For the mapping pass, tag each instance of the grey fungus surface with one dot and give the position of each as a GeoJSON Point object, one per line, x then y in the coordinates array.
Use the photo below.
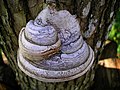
{"type": "Point", "coordinates": [52, 49]}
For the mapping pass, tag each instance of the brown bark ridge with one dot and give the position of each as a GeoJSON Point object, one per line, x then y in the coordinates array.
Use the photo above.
{"type": "Point", "coordinates": [95, 18]}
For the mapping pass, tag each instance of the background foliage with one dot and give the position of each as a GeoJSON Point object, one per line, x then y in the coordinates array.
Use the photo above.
{"type": "Point", "coordinates": [115, 32]}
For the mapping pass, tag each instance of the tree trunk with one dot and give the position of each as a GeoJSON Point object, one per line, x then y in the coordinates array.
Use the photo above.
{"type": "Point", "coordinates": [95, 17]}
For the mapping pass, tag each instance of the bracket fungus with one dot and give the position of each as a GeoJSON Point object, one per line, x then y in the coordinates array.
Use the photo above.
{"type": "Point", "coordinates": [52, 49]}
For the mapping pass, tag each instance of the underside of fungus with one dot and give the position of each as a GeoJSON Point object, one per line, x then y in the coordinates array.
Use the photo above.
{"type": "Point", "coordinates": [51, 47]}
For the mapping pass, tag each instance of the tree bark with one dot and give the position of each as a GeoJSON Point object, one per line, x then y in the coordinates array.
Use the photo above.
{"type": "Point", "coordinates": [95, 17]}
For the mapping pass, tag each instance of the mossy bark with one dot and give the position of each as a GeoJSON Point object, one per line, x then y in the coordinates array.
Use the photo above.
{"type": "Point", "coordinates": [95, 17]}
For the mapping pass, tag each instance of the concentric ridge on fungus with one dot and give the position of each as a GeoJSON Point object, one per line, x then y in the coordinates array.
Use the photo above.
{"type": "Point", "coordinates": [51, 47]}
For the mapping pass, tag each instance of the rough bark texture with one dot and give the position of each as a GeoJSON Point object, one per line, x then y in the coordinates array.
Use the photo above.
{"type": "Point", "coordinates": [95, 17]}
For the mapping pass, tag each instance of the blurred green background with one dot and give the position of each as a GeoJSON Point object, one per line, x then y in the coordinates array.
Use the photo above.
{"type": "Point", "coordinates": [114, 34]}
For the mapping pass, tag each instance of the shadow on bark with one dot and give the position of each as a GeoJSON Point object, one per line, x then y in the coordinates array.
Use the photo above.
{"type": "Point", "coordinates": [7, 76]}
{"type": "Point", "coordinates": [107, 75]}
